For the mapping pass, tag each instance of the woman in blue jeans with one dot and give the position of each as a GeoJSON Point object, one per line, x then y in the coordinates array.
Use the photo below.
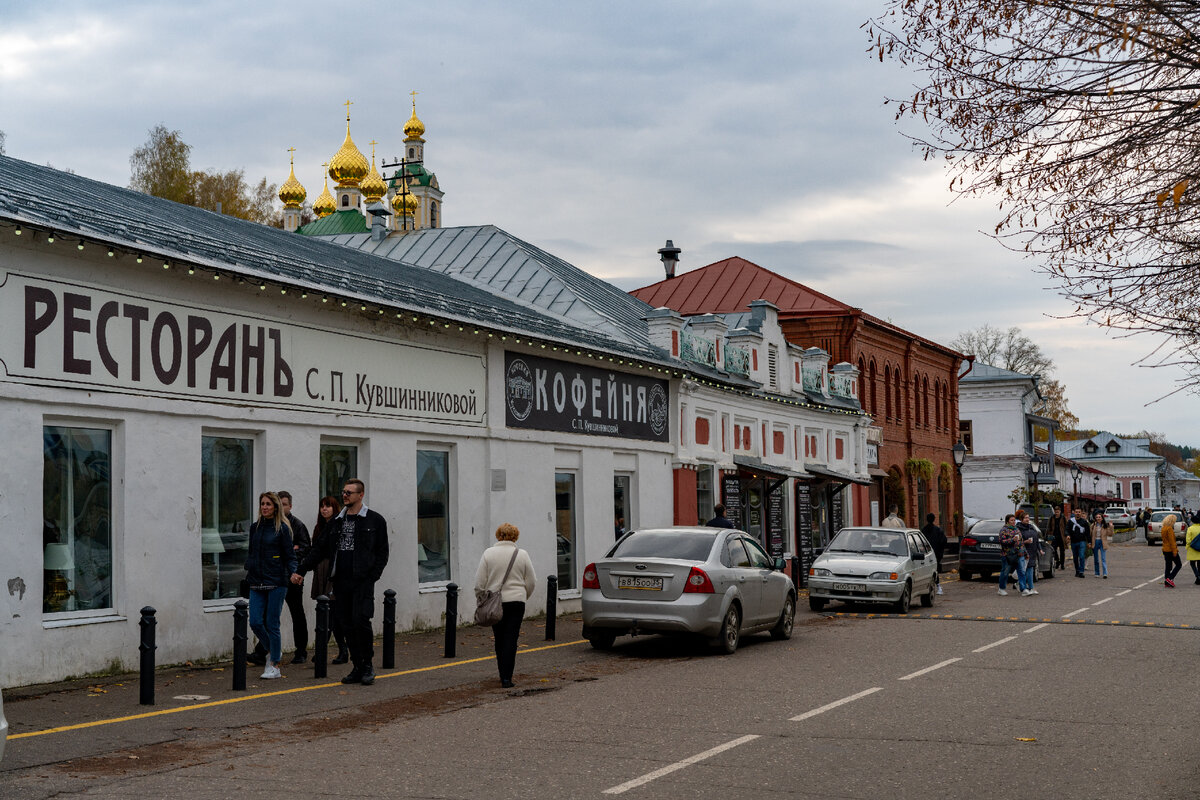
{"type": "Point", "coordinates": [1102, 532]}
{"type": "Point", "coordinates": [269, 564]}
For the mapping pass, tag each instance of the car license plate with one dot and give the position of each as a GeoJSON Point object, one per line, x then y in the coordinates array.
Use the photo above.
{"type": "Point", "coordinates": [849, 587]}
{"type": "Point", "coordinates": [638, 582]}
{"type": "Point", "coordinates": [988, 546]}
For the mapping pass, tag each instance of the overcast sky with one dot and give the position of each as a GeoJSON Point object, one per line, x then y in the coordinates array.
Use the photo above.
{"type": "Point", "coordinates": [593, 130]}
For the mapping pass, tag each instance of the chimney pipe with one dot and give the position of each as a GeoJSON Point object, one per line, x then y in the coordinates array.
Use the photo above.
{"type": "Point", "coordinates": [670, 258]}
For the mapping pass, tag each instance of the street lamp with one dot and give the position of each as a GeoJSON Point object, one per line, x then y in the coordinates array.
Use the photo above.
{"type": "Point", "coordinates": [1096, 485]}
{"type": "Point", "coordinates": [959, 451]}
{"type": "Point", "coordinates": [1035, 466]}
{"type": "Point", "coordinates": [1076, 473]}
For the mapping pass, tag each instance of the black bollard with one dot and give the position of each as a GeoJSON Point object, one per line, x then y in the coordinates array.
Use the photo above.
{"type": "Point", "coordinates": [147, 648]}
{"type": "Point", "coordinates": [389, 629]}
{"type": "Point", "coordinates": [551, 606]}
{"type": "Point", "coordinates": [451, 619]}
{"type": "Point", "coordinates": [321, 651]}
{"type": "Point", "coordinates": [241, 614]}
{"type": "Point", "coordinates": [798, 577]}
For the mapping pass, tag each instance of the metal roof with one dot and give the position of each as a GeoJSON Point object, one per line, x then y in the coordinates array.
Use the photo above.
{"type": "Point", "coordinates": [1128, 448]}
{"type": "Point", "coordinates": [986, 372]}
{"type": "Point", "coordinates": [70, 204]}
{"type": "Point", "coordinates": [348, 221]}
{"type": "Point", "coordinates": [731, 285]}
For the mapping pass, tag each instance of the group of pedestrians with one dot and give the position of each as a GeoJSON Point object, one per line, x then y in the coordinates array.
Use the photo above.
{"type": "Point", "coordinates": [347, 553]}
{"type": "Point", "coordinates": [1024, 549]}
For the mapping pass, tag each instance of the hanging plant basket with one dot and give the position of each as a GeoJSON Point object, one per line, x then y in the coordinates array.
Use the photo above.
{"type": "Point", "coordinates": [921, 468]}
{"type": "Point", "coordinates": [945, 477]}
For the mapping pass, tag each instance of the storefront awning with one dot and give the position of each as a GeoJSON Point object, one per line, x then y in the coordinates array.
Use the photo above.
{"type": "Point", "coordinates": [771, 470]}
{"type": "Point", "coordinates": [837, 476]}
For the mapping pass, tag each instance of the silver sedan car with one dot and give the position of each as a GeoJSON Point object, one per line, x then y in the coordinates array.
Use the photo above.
{"type": "Point", "coordinates": [874, 565]}
{"type": "Point", "coordinates": [714, 582]}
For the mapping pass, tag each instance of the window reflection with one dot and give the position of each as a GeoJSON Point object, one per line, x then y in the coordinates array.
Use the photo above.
{"type": "Point", "coordinates": [564, 523]}
{"type": "Point", "coordinates": [339, 463]}
{"type": "Point", "coordinates": [433, 519]}
{"type": "Point", "coordinates": [226, 502]}
{"type": "Point", "coordinates": [77, 519]}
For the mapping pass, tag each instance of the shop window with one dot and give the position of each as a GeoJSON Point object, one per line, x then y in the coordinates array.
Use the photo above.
{"type": "Point", "coordinates": [622, 503]}
{"type": "Point", "coordinates": [433, 516]}
{"type": "Point", "coordinates": [705, 492]}
{"type": "Point", "coordinates": [77, 519]}
{"type": "Point", "coordinates": [339, 463]}
{"type": "Point", "coordinates": [565, 524]}
{"type": "Point", "coordinates": [227, 509]}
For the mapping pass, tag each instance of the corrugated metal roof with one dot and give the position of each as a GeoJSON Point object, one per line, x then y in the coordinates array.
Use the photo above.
{"type": "Point", "coordinates": [986, 372]}
{"type": "Point", "coordinates": [348, 221]}
{"type": "Point", "coordinates": [71, 204]}
{"type": "Point", "coordinates": [731, 285]}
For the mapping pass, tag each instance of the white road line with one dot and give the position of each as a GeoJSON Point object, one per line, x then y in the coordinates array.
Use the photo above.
{"type": "Point", "coordinates": [1101, 602]}
{"type": "Point", "coordinates": [1076, 611]}
{"type": "Point", "coordinates": [1036, 627]}
{"type": "Point", "coordinates": [921, 672]}
{"type": "Point", "coordinates": [678, 765]}
{"type": "Point", "coordinates": [835, 704]}
{"type": "Point", "coordinates": [1126, 591]}
{"type": "Point", "coordinates": [988, 646]}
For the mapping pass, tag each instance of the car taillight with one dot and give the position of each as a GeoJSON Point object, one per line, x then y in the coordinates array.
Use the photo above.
{"type": "Point", "coordinates": [698, 582]}
{"type": "Point", "coordinates": [968, 542]}
{"type": "Point", "coordinates": [590, 579]}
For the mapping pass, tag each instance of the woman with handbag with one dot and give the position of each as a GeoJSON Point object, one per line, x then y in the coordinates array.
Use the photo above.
{"type": "Point", "coordinates": [505, 573]}
{"type": "Point", "coordinates": [1170, 550]}
{"type": "Point", "coordinates": [270, 562]}
{"type": "Point", "coordinates": [1102, 533]}
{"type": "Point", "coordinates": [327, 512]}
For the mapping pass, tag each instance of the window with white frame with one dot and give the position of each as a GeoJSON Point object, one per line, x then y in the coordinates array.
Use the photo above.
{"type": "Point", "coordinates": [433, 516]}
{"type": "Point", "coordinates": [227, 509]}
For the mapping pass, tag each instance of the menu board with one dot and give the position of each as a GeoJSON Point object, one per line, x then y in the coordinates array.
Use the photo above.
{"type": "Point", "coordinates": [804, 527]}
{"type": "Point", "coordinates": [835, 513]}
{"type": "Point", "coordinates": [731, 496]}
{"type": "Point", "coordinates": [775, 525]}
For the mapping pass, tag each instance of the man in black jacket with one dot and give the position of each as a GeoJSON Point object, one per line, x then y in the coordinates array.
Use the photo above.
{"type": "Point", "coordinates": [937, 540]}
{"type": "Point", "coordinates": [1058, 537]}
{"type": "Point", "coordinates": [357, 550]}
{"type": "Point", "coordinates": [1079, 531]}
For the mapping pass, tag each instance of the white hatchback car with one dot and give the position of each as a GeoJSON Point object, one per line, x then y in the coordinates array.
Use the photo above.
{"type": "Point", "coordinates": [874, 565]}
{"type": "Point", "coordinates": [3, 727]}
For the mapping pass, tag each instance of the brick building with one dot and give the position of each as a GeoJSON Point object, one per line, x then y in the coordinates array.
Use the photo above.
{"type": "Point", "coordinates": [909, 384]}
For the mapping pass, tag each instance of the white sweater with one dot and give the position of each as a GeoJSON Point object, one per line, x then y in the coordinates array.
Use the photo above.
{"type": "Point", "coordinates": [521, 581]}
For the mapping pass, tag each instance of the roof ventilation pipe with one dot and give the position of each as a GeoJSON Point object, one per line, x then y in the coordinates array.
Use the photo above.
{"type": "Point", "coordinates": [670, 258]}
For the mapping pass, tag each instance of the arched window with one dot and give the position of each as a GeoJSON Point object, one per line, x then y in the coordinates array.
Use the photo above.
{"type": "Point", "coordinates": [899, 379]}
{"type": "Point", "coordinates": [925, 400]}
{"type": "Point", "coordinates": [345, 201]}
{"type": "Point", "coordinates": [412, 151]}
{"type": "Point", "coordinates": [887, 390]}
{"type": "Point", "coordinates": [937, 404]}
{"type": "Point", "coordinates": [862, 383]}
{"type": "Point", "coordinates": [916, 387]}
{"type": "Point", "coordinates": [871, 384]}
{"type": "Point", "coordinates": [433, 215]}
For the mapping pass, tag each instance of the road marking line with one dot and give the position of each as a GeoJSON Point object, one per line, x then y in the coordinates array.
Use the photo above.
{"type": "Point", "coordinates": [1101, 602]}
{"type": "Point", "coordinates": [678, 765]}
{"type": "Point", "coordinates": [835, 704]}
{"type": "Point", "coordinates": [921, 672]}
{"type": "Point", "coordinates": [244, 698]}
{"type": "Point", "coordinates": [1076, 611]}
{"type": "Point", "coordinates": [990, 646]}
{"type": "Point", "coordinates": [1140, 585]}
{"type": "Point", "coordinates": [1036, 627]}
{"type": "Point", "coordinates": [1126, 591]}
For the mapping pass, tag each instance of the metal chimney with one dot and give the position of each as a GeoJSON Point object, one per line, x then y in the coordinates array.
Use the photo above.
{"type": "Point", "coordinates": [670, 258]}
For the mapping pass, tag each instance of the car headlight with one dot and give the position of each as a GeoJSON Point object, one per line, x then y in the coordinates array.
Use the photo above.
{"type": "Point", "coordinates": [818, 572]}
{"type": "Point", "coordinates": [883, 576]}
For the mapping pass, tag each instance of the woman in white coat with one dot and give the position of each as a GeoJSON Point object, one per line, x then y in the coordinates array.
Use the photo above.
{"type": "Point", "coordinates": [516, 589]}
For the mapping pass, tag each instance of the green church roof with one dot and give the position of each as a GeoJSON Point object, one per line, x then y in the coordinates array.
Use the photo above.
{"type": "Point", "coordinates": [349, 221]}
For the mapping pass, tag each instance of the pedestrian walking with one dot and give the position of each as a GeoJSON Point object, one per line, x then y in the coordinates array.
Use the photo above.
{"type": "Point", "coordinates": [893, 520]}
{"type": "Point", "coordinates": [1193, 545]}
{"type": "Point", "coordinates": [295, 594]}
{"type": "Point", "coordinates": [719, 520]}
{"type": "Point", "coordinates": [1058, 537]}
{"type": "Point", "coordinates": [1102, 533]}
{"type": "Point", "coordinates": [1014, 554]}
{"type": "Point", "coordinates": [358, 550]}
{"type": "Point", "coordinates": [937, 540]}
{"type": "Point", "coordinates": [1139, 522]}
{"type": "Point", "coordinates": [1079, 532]}
{"type": "Point", "coordinates": [269, 561]}
{"type": "Point", "coordinates": [506, 568]}
{"type": "Point", "coordinates": [1170, 549]}
{"type": "Point", "coordinates": [1033, 551]}
{"type": "Point", "coordinates": [327, 512]}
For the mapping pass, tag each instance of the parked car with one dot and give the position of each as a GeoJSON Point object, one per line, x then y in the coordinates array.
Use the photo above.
{"type": "Point", "coordinates": [874, 565]}
{"type": "Point", "coordinates": [1154, 529]}
{"type": "Point", "coordinates": [981, 554]}
{"type": "Point", "coordinates": [1119, 516]}
{"type": "Point", "coordinates": [714, 582]}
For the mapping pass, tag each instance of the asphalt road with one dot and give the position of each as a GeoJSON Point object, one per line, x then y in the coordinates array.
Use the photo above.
{"type": "Point", "coordinates": [1078, 692]}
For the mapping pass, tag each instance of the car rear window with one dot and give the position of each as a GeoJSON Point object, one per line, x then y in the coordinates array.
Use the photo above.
{"type": "Point", "coordinates": [988, 526]}
{"type": "Point", "coordinates": [688, 546]}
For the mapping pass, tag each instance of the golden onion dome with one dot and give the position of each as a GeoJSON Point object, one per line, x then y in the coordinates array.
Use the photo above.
{"type": "Point", "coordinates": [348, 166]}
{"type": "Point", "coordinates": [292, 192]}
{"type": "Point", "coordinates": [405, 204]}
{"type": "Point", "coordinates": [414, 129]}
{"type": "Point", "coordinates": [324, 205]}
{"type": "Point", "coordinates": [373, 186]}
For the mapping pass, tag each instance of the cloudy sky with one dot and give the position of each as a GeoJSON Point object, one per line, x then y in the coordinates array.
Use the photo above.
{"type": "Point", "coordinates": [594, 130]}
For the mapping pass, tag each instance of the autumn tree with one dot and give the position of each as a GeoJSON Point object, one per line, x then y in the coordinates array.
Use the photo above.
{"type": "Point", "coordinates": [1081, 118]}
{"type": "Point", "coordinates": [1010, 349]}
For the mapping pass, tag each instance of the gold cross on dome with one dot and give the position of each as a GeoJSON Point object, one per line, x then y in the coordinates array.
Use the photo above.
{"type": "Point", "coordinates": [292, 150]}
{"type": "Point", "coordinates": [348, 104]}
{"type": "Point", "coordinates": [373, 143]}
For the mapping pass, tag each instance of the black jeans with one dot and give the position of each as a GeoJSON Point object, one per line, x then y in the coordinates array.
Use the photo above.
{"type": "Point", "coordinates": [353, 610]}
{"type": "Point", "coordinates": [1173, 565]}
{"type": "Point", "coordinates": [295, 605]}
{"type": "Point", "coordinates": [1060, 552]}
{"type": "Point", "coordinates": [506, 632]}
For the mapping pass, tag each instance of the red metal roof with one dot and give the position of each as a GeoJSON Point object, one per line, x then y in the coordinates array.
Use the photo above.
{"type": "Point", "coordinates": [729, 286]}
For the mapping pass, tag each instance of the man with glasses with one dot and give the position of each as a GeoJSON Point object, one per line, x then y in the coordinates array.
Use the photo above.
{"type": "Point", "coordinates": [357, 552]}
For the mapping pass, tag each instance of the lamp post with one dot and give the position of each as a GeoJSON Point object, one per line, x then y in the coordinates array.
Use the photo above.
{"type": "Point", "coordinates": [959, 452]}
{"type": "Point", "coordinates": [1076, 472]}
{"type": "Point", "coordinates": [1095, 486]}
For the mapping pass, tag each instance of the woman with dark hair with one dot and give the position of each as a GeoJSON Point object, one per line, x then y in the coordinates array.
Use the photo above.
{"type": "Point", "coordinates": [327, 512]}
{"type": "Point", "coordinates": [1102, 533]}
{"type": "Point", "coordinates": [270, 562]}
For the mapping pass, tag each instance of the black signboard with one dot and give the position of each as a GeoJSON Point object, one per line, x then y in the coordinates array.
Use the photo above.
{"type": "Point", "coordinates": [550, 395]}
{"type": "Point", "coordinates": [804, 526]}
{"type": "Point", "coordinates": [835, 512]}
{"type": "Point", "coordinates": [775, 531]}
{"type": "Point", "coordinates": [731, 496]}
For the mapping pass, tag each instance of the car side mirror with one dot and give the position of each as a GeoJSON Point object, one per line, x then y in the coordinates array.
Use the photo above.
{"type": "Point", "coordinates": [779, 564]}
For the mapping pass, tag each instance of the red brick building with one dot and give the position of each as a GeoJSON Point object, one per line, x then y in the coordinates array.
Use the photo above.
{"type": "Point", "coordinates": [909, 384]}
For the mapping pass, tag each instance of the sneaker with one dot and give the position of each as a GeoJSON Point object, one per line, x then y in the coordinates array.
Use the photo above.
{"type": "Point", "coordinates": [1033, 591]}
{"type": "Point", "coordinates": [355, 676]}
{"type": "Point", "coordinates": [1105, 577]}
{"type": "Point", "coordinates": [1025, 593]}
{"type": "Point", "coordinates": [1169, 582]}
{"type": "Point", "coordinates": [940, 588]}
{"type": "Point", "coordinates": [271, 672]}
{"type": "Point", "coordinates": [1003, 593]}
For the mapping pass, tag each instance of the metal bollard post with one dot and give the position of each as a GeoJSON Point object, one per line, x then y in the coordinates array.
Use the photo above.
{"type": "Point", "coordinates": [551, 606]}
{"type": "Point", "coordinates": [798, 577]}
{"type": "Point", "coordinates": [451, 619]}
{"type": "Point", "coordinates": [147, 647]}
{"type": "Point", "coordinates": [389, 629]}
{"type": "Point", "coordinates": [321, 651]}
{"type": "Point", "coordinates": [241, 614]}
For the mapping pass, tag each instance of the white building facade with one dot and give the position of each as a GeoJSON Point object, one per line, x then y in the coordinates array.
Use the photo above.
{"type": "Point", "coordinates": [1136, 470]}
